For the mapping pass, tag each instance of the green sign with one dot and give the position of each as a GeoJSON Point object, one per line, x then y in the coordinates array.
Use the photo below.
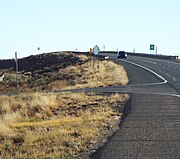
{"type": "Point", "coordinates": [152, 47]}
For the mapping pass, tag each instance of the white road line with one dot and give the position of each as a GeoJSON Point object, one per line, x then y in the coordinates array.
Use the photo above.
{"type": "Point", "coordinates": [147, 69]}
{"type": "Point", "coordinates": [165, 81]}
{"type": "Point", "coordinates": [168, 94]}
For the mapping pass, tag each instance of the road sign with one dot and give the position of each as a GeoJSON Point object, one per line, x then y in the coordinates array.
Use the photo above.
{"type": "Point", "coordinates": [152, 47]}
{"type": "Point", "coordinates": [96, 50]}
{"type": "Point", "coordinates": [91, 50]}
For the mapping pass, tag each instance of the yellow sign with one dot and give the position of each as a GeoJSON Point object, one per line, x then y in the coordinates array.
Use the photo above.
{"type": "Point", "coordinates": [91, 50]}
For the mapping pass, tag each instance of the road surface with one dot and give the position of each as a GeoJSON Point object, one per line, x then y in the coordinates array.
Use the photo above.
{"type": "Point", "coordinates": [151, 130]}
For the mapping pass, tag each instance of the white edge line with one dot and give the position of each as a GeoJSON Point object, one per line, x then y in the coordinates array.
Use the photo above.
{"type": "Point", "coordinates": [169, 94]}
{"type": "Point", "coordinates": [145, 68]}
{"type": "Point", "coordinates": [165, 81]}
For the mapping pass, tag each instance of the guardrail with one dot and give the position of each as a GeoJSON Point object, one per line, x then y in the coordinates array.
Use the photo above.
{"type": "Point", "coordinates": [156, 56]}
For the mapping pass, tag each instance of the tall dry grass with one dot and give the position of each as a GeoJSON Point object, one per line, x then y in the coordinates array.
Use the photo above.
{"type": "Point", "coordinates": [52, 125]}
{"type": "Point", "coordinates": [88, 76]}
{"type": "Point", "coordinates": [80, 75]}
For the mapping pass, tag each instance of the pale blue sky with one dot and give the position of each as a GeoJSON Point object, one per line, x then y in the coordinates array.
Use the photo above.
{"type": "Point", "coordinates": [55, 25]}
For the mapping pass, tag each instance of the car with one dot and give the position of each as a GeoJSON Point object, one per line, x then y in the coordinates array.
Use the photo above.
{"type": "Point", "coordinates": [121, 54]}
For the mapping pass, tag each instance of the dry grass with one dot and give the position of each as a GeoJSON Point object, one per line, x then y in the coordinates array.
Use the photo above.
{"type": "Point", "coordinates": [108, 73]}
{"type": "Point", "coordinates": [85, 76]}
{"type": "Point", "coordinates": [83, 57]}
{"type": "Point", "coordinates": [41, 125]}
{"type": "Point", "coordinates": [66, 76]}
{"type": "Point", "coordinates": [53, 125]}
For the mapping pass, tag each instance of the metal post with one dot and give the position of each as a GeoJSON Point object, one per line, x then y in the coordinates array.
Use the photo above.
{"type": "Point", "coordinates": [17, 87]}
{"type": "Point", "coordinates": [104, 48]}
{"type": "Point", "coordinates": [98, 62]}
{"type": "Point", "coordinates": [156, 50]}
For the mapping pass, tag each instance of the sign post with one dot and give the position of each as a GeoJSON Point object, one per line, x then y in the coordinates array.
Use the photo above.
{"type": "Point", "coordinates": [17, 87]}
{"type": "Point", "coordinates": [91, 54]}
{"type": "Point", "coordinates": [96, 52]}
{"type": "Point", "coordinates": [156, 50]}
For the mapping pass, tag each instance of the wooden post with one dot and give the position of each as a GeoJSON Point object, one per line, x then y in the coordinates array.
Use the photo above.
{"type": "Point", "coordinates": [17, 85]}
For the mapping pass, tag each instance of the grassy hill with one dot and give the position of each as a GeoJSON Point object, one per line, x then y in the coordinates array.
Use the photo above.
{"type": "Point", "coordinates": [57, 71]}
{"type": "Point", "coordinates": [40, 125]}
{"type": "Point", "coordinates": [36, 71]}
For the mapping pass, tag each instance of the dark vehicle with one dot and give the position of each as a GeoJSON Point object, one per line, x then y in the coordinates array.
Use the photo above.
{"type": "Point", "coordinates": [121, 54]}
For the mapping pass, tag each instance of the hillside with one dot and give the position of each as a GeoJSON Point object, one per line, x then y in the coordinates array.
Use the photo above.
{"type": "Point", "coordinates": [59, 71]}
{"type": "Point", "coordinates": [36, 71]}
{"type": "Point", "coordinates": [39, 62]}
{"type": "Point", "coordinates": [39, 125]}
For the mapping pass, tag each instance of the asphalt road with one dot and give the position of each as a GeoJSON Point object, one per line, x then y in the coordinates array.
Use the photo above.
{"type": "Point", "coordinates": [151, 130]}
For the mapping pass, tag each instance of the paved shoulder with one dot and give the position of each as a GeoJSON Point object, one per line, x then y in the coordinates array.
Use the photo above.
{"type": "Point", "coordinates": [151, 130]}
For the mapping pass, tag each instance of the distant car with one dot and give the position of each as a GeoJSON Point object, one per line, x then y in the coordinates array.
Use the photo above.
{"type": "Point", "coordinates": [121, 54]}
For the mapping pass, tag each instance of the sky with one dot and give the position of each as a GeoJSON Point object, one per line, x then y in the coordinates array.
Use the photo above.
{"type": "Point", "coordinates": [68, 25]}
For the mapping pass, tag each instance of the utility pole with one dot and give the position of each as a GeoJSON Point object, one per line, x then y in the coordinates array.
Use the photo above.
{"type": "Point", "coordinates": [17, 85]}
